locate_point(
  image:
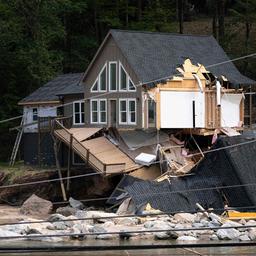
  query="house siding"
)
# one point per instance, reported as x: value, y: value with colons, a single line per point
x: 68, y: 108
x: 111, y: 52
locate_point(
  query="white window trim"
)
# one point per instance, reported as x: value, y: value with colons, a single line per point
x: 135, y: 88
x: 109, y: 77
x: 81, y: 112
x: 127, y: 80
x: 119, y: 78
x: 98, y: 111
x: 128, y: 121
x: 98, y: 79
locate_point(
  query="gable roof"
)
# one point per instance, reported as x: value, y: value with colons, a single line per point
x: 61, y: 85
x: 154, y: 56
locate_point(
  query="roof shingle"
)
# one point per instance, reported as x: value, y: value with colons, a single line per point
x: 154, y: 56
x: 61, y: 85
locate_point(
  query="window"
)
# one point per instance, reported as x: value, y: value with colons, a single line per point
x: 99, y: 111
x: 131, y: 86
x: 35, y: 114
x: 127, y: 111
x: 77, y: 160
x: 78, y: 112
x: 94, y: 111
x: 122, y: 79
x: 123, y: 112
x: 112, y: 76
x: 125, y: 82
x: 100, y: 85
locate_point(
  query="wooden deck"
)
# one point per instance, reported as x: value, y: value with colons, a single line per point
x: 99, y: 152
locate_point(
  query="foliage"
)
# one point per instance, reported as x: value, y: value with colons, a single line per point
x: 42, y: 38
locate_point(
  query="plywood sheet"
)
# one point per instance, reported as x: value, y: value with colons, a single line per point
x: 83, y: 133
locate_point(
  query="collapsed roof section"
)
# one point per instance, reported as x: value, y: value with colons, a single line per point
x: 227, y: 175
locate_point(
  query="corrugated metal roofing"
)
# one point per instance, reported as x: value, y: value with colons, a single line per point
x: 154, y: 55
x: 62, y: 84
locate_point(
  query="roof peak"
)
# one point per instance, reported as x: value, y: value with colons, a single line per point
x: 157, y: 33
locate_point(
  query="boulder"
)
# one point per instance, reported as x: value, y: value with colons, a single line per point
x: 228, y: 234
x: 185, y: 217
x: 214, y: 217
x: 166, y: 235
x: 100, y: 214
x: 35, y: 205
x: 186, y: 238
x: 66, y: 211
x: 252, y: 233
x: 244, y: 238
x: 56, y: 217
x: 129, y: 221
x: 76, y: 204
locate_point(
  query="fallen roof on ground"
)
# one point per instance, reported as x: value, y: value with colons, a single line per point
x: 226, y: 176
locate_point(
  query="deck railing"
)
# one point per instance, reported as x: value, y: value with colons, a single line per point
x: 67, y: 137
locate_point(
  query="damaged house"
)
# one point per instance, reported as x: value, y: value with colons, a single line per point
x: 140, y: 90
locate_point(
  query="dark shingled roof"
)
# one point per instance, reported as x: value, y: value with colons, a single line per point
x: 61, y: 85
x: 154, y: 55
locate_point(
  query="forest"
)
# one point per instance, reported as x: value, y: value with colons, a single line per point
x: 40, y: 39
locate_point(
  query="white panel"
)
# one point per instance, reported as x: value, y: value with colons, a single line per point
x: 47, y: 111
x: 28, y: 119
x: 230, y: 110
x: 177, y: 109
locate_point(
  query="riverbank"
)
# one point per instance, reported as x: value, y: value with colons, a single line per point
x: 74, y: 222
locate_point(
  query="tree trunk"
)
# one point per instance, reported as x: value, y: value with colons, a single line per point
x: 215, y: 22
x: 139, y: 10
x: 126, y: 13
x: 96, y: 25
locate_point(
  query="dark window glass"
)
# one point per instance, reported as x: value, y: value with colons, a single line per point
x: 123, y: 79
x: 112, y: 80
x: 103, y: 80
x: 131, y: 86
x: 95, y: 86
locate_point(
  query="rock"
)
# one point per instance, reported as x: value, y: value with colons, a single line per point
x: 166, y: 235
x: 83, y: 215
x: 35, y: 205
x: 214, y: 223
x: 214, y: 237
x: 57, y: 226
x: 244, y: 238
x: 66, y: 211
x: 252, y: 233
x: 126, y: 221
x: 204, y: 222
x: 197, y: 225
x: 80, y: 231
x: 76, y: 204
x: 228, y: 234
x: 242, y: 221
x: 105, y: 237
x: 99, y: 229
x: 184, y: 217
x: 7, y: 233
x: 108, y: 224
x: 230, y: 223
x: 215, y: 217
x: 100, y: 214
x: 149, y: 224
x: 56, y: 217
x: 31, y: 231
x: 187, y: 238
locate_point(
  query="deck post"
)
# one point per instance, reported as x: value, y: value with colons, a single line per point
x: 69, y: 161
x: 59, y: 170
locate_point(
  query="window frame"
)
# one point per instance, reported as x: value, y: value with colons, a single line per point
x: 98, y: 79
x: 34, y: 114
x: 109, y: 76
x: 98, y: 111
x: 128, y: 111
x: 80, y: 102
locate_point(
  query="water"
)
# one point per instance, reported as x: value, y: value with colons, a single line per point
x: 248, y: 250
